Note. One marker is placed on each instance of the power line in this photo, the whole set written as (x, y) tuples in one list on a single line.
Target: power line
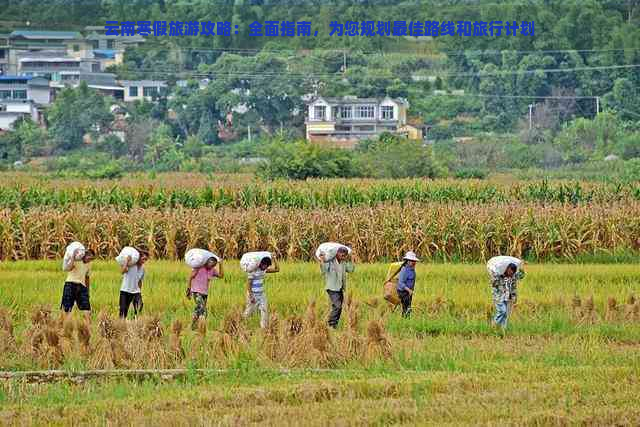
[(382, 52), (371, 75)]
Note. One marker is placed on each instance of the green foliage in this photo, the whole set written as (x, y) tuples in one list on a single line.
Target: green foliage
[(163, 153), (395, 157), (629, 146), (581, 138), (111, 144), (302, 160), (75, 113)]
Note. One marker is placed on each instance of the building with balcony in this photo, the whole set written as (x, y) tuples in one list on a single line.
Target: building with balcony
[(348, 120), (21, 88), (48, 64), (137, 90), (105, 83)]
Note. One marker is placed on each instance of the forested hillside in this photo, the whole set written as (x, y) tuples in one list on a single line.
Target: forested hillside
[(528, 100)]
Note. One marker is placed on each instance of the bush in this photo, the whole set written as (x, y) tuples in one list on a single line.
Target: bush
[(471, 173), (629, 146), (302, 160), (395, 157)]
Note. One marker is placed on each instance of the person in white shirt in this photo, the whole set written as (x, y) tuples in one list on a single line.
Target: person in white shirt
[(131, 289)]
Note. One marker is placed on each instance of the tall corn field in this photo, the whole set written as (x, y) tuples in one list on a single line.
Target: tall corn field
[(191, 192), (462, 232)]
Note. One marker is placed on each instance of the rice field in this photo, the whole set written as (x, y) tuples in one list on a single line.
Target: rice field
[(569, 356)]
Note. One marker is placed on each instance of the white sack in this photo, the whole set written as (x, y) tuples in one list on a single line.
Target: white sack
[(196, 258), (128, 251), (496, 266), (251, 260), (67, 261), (329, 250)]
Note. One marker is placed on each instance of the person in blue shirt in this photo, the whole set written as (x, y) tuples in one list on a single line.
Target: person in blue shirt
[(407, 282)]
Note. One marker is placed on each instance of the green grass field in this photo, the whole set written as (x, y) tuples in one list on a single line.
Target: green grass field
[(561, 361)]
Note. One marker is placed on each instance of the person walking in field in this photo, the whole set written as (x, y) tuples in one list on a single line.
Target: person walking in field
[(76, 286), (256, 298), (198, 287), (407, 282), (505, 272), (131, 288), (335, 275)]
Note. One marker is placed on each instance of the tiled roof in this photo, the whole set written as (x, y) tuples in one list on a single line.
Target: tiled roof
[(37, 34), (354, 100)]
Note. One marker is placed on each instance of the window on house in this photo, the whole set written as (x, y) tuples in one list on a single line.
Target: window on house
[(5, 94), (365, 112), (20, 94), (365, 128), (133, 91), (150, 91), (95, 44), (346, 112), (2, 54), (111, 44), (320, 112), (95, 68), (387, 112)]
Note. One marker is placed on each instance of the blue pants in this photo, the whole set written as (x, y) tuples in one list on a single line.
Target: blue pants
[(503, 310)]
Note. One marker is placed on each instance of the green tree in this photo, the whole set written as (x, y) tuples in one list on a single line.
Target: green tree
[(77, 112)]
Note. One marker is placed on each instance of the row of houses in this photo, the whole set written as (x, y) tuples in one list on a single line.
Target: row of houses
[(35, 65), (45, 53)]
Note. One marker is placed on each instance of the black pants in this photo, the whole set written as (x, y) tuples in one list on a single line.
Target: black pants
[(405, 299), (336, 298), (75, 293), (125, 301)]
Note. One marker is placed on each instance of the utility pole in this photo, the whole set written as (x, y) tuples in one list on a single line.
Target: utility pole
[(530, 116), (249, 132), (344, 62), (597, 105)]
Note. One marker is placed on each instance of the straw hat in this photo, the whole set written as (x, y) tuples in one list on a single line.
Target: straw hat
[(411, 256)]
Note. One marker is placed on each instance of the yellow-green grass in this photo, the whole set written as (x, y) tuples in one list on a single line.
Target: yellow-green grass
[(448, 365), (457, 293), (465, 287)]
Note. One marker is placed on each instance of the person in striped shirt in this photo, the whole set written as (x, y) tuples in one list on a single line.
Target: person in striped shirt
[(256, 298)]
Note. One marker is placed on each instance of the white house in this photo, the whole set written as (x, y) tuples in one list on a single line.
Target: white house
[(137, 90), (10, 111), (345, 121)]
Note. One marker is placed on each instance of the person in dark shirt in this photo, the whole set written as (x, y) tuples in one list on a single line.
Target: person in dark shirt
[(407, 282)]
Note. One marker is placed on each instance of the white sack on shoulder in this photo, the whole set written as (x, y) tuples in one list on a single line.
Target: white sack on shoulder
[(128, 251), (330, 249), (496, 266), (251, 260), (196, 258), (68, 259)]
